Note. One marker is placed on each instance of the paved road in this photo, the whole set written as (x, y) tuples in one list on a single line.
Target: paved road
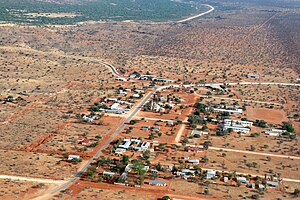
[(255, 153), (87, 165), (199, 15)]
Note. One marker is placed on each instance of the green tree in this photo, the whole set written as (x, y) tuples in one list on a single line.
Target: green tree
[(125, 159)]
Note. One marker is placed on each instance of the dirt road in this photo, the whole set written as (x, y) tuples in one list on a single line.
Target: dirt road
[(256, 153), (199, 15)]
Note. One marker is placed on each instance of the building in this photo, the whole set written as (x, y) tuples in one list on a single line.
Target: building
[(199, 132), (186, 172), (145, 128), (71, 157), (252, 76), (128, 168), (170, 123), (134, 144), (115, 106), (156, 128), (136, 96), (194, 161), (108, 173), (210, 174), (122, 92), (195, 149), (242, 180), (120, 150), (85, 142), (275, 132), (231, 122), (121, 79), (237, 129), (157, 183), (272, 184), (236, 111)]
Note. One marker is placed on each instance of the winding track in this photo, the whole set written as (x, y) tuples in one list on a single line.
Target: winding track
[(199, 15)]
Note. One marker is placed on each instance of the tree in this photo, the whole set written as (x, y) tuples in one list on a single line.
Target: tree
[(296, 192), (125, 159), (91, 172), (261, 123), (206, 191), (200, 106), (146, 154), (166, 198), (288, 126), (206, 144), (205, 159)]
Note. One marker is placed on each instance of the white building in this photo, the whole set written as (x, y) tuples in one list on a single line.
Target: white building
[(237, 111), (231, 122), (238, 129), (194, 161), (210, 174), (275, 132), (114, 106), (71, 157), (252, 76)]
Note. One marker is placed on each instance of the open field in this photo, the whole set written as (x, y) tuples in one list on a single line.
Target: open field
[(11, 189), (244, 163), (35, 165)]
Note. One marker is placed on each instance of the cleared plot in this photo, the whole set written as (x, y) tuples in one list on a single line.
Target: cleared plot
[(164, 134), (7, 111), (66, 139), (217, 191), (26, 129), (34, 165), (253, 164), (269, 115), (90, 192), (11, 190)]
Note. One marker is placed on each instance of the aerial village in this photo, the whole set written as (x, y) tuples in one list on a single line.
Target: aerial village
[(146, 132), (172, 134)]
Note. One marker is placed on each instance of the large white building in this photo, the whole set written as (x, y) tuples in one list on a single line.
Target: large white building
[(238, 129), (237, 111), (231, 122)]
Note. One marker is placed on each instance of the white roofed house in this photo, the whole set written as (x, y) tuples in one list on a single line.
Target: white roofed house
[(136, 95), (231, 122), (194, 161), (210, 174), (236, 111), (71, 157), (274, 132), (114, 106), (242, 180), (238, 129), (121, 79), (252, 76)]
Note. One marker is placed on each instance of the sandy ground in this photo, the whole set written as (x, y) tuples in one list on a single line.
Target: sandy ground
[(269, 115)]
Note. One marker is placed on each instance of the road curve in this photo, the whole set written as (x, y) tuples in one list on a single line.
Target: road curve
[(199, 15)]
